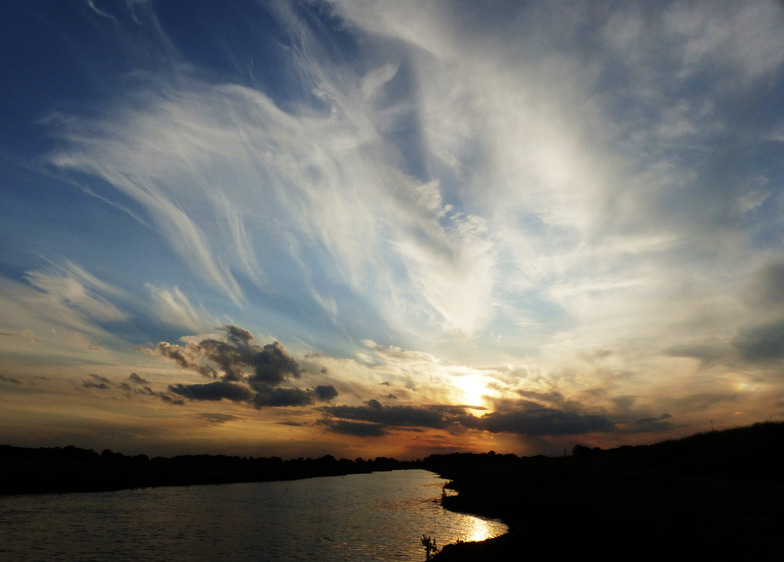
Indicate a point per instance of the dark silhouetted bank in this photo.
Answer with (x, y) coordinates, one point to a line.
(714, 494)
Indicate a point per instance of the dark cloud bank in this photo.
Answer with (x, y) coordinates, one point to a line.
(242, 371)
(519, 417)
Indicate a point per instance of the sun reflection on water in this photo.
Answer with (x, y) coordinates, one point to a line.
(474, 529)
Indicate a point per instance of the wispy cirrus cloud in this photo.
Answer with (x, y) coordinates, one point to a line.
(173, 307)
(569, 214)
(76, 288)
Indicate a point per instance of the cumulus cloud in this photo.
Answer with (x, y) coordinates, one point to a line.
(247, 372)
(325, 393)
(272, 365)
(282, 397)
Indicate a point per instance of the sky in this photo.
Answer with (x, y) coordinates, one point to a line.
(370, 228)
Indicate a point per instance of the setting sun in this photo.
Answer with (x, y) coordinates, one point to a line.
(473, 389)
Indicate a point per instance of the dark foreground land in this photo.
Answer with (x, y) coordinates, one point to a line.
(716, 495)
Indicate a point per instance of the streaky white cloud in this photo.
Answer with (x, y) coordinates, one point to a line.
(54, 321)
(561, 199)
(239, 186)
(173, 307)
(76, 288)
(736, 35)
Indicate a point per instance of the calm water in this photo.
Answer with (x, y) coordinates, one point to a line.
(379, 516)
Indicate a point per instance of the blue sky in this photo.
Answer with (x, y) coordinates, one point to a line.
(388, 228)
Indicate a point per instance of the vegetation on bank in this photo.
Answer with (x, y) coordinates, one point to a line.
(712, 494)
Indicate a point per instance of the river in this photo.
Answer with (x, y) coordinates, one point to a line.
(377, 516)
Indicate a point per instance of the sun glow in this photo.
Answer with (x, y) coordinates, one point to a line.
(473, 389)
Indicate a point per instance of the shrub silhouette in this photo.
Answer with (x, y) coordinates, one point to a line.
(431, 549)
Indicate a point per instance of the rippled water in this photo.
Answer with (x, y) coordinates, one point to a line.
(378, 516)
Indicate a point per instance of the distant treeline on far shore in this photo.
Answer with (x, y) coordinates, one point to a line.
(486, 481)
(72, 469)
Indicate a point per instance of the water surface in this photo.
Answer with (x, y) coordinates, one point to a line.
(378, 516)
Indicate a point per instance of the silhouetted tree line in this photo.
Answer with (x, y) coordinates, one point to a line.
(71, 469)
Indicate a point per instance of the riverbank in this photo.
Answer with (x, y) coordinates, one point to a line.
(718, 493)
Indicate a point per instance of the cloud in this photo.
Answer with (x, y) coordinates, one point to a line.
(329, 180)
(325, 393)
(235, 359)
(770, 283)
(98, 382)
(178, 355)
(165, 396)
(140, 386)
(272, 365)
(763, 343)
(551, 198)
(77, 289)
(212, 391)
(248, 372)
(172, 307)
(389, 416)
(357, 429)
(137, 379)
(435, 187)
(282, 397)
(266, 396)
(701, 401)
(651, 425)
(216, 418)
(706, 352)
(518, 417)
(539, 421)
(553, 397)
